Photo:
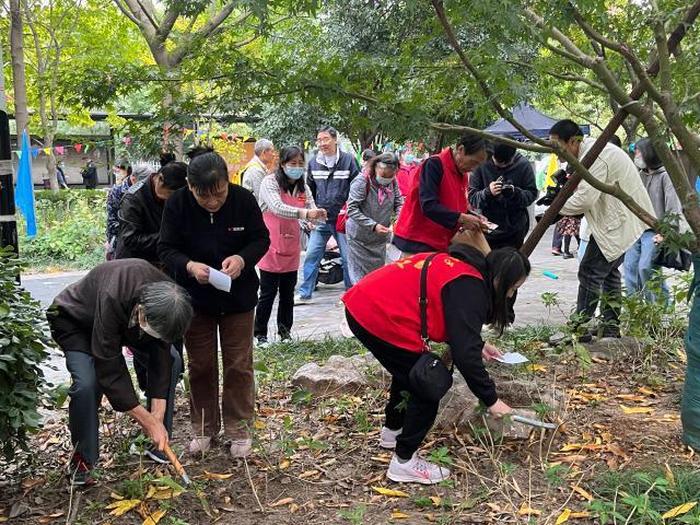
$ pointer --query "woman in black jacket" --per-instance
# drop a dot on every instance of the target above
(214, 226)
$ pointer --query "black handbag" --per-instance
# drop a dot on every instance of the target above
(674, 260)
(429, 377)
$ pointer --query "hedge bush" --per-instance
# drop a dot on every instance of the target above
(71, 229)
(23, 342)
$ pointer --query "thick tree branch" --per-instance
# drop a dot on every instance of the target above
(125, 11)
(454, 128)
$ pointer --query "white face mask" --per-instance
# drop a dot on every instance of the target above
(383, 181)
(143, 324)
(639, 162)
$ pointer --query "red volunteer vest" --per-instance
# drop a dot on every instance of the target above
(385, 302)
(413, 225)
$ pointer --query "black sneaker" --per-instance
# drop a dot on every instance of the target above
(261, 341)
(80, 472)
(567, 255)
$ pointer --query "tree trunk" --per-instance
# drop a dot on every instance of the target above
(51, 162)
(18, 74)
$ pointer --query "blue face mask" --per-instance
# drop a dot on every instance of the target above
(409, 158)
(293, 172)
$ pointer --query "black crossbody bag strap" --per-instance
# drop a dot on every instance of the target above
(423, 301)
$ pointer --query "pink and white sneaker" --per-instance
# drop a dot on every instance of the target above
(416, 470)
(387, 438)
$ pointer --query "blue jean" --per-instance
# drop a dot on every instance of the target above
(640, 267)
(315, 249)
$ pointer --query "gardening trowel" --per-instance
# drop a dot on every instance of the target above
(176, 463)
(533, 422)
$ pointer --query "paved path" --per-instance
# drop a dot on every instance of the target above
(323, 316)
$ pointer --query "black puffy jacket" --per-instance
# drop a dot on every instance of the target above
(140, 215)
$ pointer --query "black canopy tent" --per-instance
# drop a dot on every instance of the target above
(537, 123)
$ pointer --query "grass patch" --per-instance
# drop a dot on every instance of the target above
(643, 497)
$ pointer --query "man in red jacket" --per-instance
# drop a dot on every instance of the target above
(436, 205)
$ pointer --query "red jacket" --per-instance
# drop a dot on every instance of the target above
(413, 225)
(385, 302)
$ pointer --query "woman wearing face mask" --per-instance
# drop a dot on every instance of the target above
(284, 200)
(465, 289)
(639, 259)
(212, 225)
(374, 200)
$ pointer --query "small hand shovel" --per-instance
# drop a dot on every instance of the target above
(177, 465)
(533, 422)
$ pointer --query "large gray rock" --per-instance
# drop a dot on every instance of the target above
(612, 349)
(458, 408)
(341, 375)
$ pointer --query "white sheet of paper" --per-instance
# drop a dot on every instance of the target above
(512, 358)
(219, 280)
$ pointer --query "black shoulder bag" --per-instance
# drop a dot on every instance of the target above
(429, 377)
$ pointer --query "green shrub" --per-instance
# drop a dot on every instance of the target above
(23, 342)
(71, 229)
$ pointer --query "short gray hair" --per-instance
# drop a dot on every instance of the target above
(262, 145)
(141, 171)
(167, 308)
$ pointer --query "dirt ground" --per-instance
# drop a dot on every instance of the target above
(317, 459)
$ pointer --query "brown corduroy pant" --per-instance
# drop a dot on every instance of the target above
(235, 332)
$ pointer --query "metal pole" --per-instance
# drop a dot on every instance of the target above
(8, 219)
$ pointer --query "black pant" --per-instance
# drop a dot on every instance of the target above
(417, 415)
(270, 283)
(597, 275)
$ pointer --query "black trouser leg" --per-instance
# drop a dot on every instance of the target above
(285, 308)
(85, 395)
(612, 292)
(420, 413)
(269, 284)
(593, 273)
(567, 243)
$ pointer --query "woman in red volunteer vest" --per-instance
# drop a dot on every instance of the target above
(284, 200)
(465, 290)
(436, 203)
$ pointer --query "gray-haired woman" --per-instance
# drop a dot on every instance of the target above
(374, 199)
(118, 303)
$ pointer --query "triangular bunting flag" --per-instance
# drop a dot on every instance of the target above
(19, 156)
(59, 150)
(47, 151)
(78, 147)
(35, 152)
(87, 148)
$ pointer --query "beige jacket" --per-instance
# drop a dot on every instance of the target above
(614, 227)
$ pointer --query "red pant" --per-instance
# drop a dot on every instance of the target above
(235, 332)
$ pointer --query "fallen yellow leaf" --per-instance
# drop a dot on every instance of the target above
(396, 515)
(283, 501)
(563, 517)
(437, 500)
(585, 495)
(214, 475)
(122, 506)
(536, 368)
(390, 492)
(646, 391)
(154, 518)
(526, 510)
(637, 410)
(669, 475)
(3, 519)
(162, 493)
(579, 515)
(259, 425)
(679, 510)
(284, 464)
(114, 495)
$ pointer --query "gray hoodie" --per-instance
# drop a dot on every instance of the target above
(661, 192)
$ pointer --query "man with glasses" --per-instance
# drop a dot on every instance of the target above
(329, 175)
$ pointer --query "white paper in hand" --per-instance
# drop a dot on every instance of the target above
(219, 280)
(512, 358)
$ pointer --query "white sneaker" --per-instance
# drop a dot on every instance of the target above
(299, 300)
(241, 448)
(387, 438)
(416, 470)
(200, 445)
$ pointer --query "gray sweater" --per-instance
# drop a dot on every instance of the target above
(364, 210)
(661, 192)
